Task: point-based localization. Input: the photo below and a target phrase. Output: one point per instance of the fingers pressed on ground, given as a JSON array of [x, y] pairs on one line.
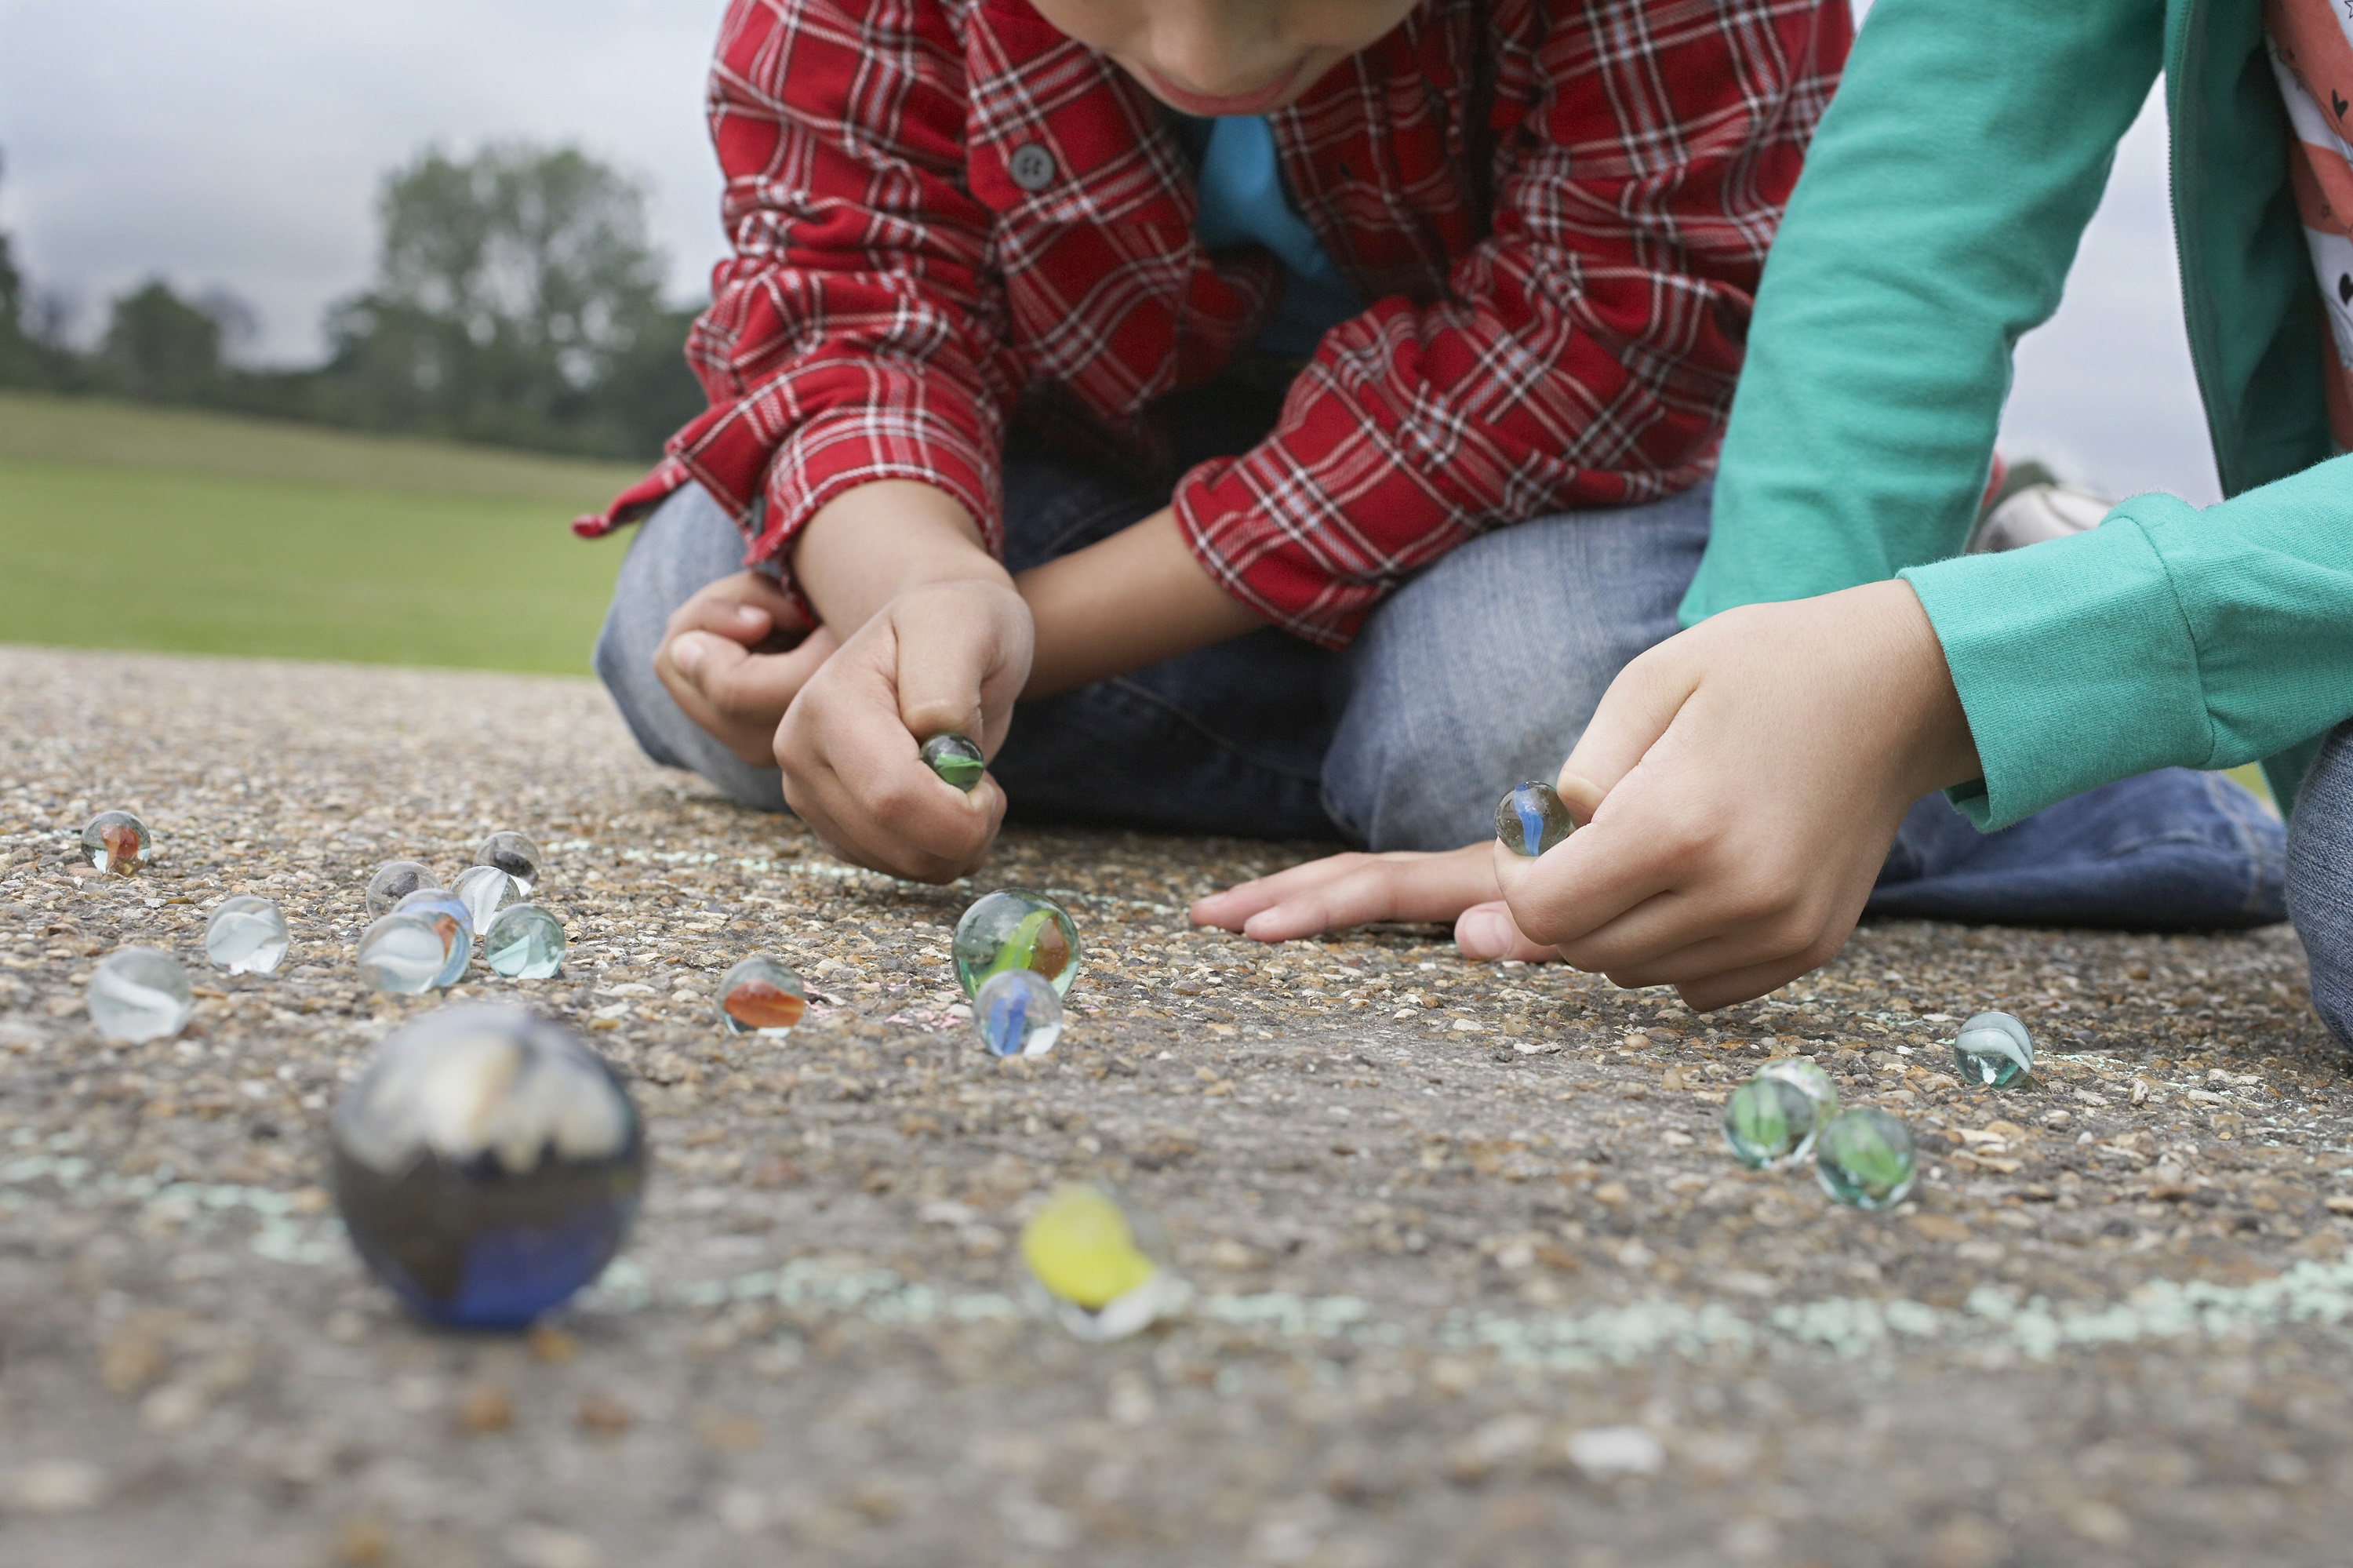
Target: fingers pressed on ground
[[1400, 886], [1227, 909]]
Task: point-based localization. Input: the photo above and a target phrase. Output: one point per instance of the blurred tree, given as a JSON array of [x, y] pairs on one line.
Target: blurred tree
[[19, 364], [517, 300], [162, 348]]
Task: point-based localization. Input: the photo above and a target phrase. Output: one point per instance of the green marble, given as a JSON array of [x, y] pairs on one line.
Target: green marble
[[1016, 929], [955, 759], [1864, 1157], [1768, 1122]]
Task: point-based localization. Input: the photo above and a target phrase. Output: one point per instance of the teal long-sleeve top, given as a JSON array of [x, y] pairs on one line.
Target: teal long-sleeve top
[[1940, 208]]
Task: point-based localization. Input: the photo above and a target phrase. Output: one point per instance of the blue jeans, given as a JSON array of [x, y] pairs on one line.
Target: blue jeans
[[2320, 879], [2169, 851], [1479, 673]]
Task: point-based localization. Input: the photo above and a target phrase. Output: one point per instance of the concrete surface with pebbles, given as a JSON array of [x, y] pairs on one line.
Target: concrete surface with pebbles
[[1474, 1279]]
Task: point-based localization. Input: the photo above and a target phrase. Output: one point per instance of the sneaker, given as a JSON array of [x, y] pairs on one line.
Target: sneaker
[[2034, 512]]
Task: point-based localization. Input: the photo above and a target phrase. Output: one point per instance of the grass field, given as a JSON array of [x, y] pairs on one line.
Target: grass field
[[123, 527]]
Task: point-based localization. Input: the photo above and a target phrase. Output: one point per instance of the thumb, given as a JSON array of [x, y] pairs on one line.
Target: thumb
[[955, 670], [705, 660], [1632, 715], [1487, 931]]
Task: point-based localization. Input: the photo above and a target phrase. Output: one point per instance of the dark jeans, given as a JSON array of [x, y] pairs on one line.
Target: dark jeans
[[2320, 879], [1480, 673]]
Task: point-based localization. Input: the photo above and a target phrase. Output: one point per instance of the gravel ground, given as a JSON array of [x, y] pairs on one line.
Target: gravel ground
[[1474, 1279]]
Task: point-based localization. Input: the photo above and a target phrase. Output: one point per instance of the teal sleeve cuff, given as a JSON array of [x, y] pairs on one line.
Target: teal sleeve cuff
[[2074, 661]]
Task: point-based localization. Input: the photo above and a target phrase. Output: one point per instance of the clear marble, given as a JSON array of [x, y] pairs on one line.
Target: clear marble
[[137, 994], [956, 758], [1017, 1014], [1864, 1157], [1016, 929], [514, 854], [453, 921], [394, 881], [246, 935], [117, 843], [760, 996], [1530, 817], [1993, 1051], [525, 942], [1768, 1123], [1097, 1264], [485, 890], [1809, 1077], [487, 1164], [403, 953]]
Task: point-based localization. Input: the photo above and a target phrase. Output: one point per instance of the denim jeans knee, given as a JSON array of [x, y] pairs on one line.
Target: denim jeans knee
[[2320, 879], [1485, 669], [687, 545]]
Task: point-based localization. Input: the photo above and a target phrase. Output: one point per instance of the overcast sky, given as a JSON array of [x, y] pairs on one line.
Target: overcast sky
[[238, 144]]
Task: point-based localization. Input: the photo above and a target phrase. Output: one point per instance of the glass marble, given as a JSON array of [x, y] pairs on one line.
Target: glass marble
[[117, 843], [1016, 929], [1992, 1051], [487, 1164], [1864, 1157], [485, 890], [1017, 1014], [455, 923], [514, 853], [955, 759], [403, 953], [1532, 818], [1810, 1078], [1768, 1122], [760, 996], [394, 881], [247, 936], [1098, 1266], [525, 942], [138, 994]]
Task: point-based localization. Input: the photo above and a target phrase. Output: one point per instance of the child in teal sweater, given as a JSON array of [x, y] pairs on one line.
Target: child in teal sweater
[[1744, 779]]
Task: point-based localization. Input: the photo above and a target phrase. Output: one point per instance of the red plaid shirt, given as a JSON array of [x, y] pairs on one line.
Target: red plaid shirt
[[1560, 209]]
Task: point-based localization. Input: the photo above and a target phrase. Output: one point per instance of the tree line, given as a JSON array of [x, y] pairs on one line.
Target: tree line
[[516, 300]]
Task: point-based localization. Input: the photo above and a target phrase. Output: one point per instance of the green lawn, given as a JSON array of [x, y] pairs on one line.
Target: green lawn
[[129, 527]]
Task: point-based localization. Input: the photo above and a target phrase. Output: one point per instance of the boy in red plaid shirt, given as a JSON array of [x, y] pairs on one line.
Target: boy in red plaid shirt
[[1277, 418]]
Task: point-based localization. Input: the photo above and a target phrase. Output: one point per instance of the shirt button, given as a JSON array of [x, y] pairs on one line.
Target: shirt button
[[1031, 166]]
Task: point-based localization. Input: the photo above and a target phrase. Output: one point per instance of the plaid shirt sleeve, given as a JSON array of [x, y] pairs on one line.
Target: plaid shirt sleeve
[[854, 334], [1584, 354]]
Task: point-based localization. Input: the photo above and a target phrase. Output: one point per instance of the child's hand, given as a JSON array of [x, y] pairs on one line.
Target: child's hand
[[1345, 890], [940, 656], [1755, 770], [735, 655]]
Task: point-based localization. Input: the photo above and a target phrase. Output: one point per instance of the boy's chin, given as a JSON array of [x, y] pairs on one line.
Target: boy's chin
[[1284, 91]]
